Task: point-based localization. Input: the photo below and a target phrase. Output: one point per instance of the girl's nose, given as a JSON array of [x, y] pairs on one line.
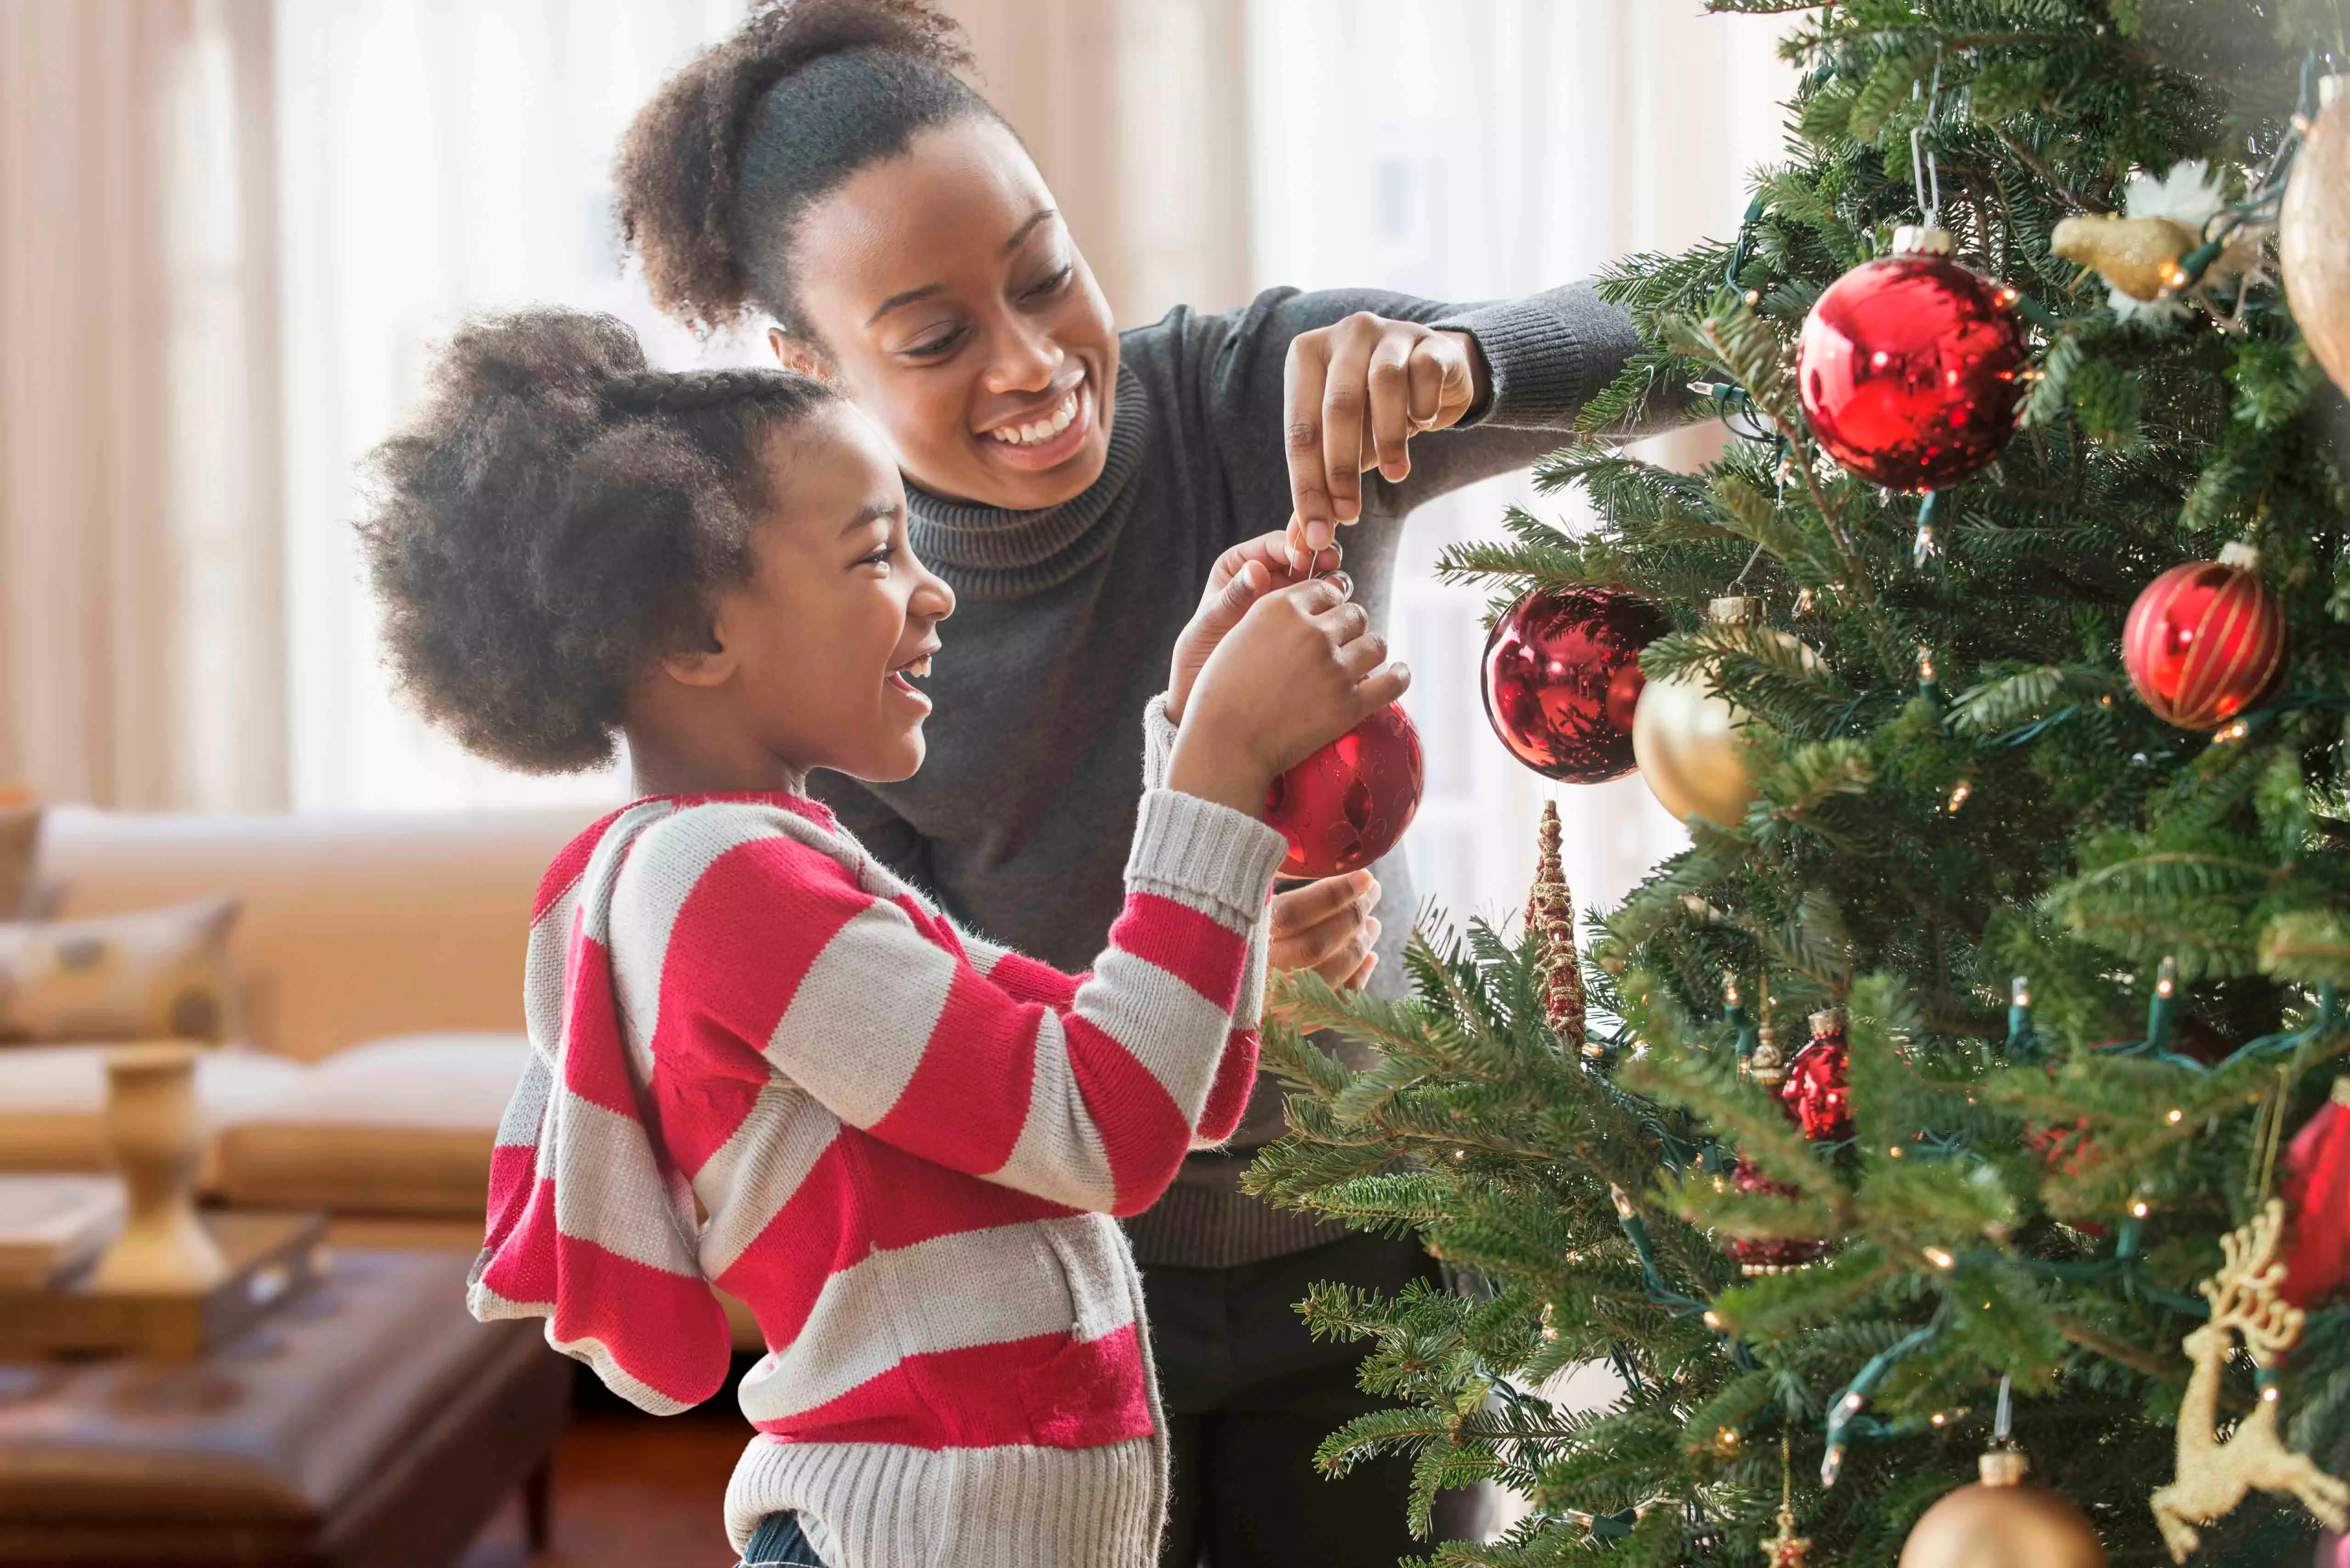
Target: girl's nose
[[933, 599]]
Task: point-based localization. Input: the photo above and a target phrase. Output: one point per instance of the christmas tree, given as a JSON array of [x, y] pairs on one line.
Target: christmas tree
[[1951, 1056]]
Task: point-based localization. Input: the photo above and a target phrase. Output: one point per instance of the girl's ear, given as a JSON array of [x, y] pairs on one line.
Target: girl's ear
[[710, 666], [794, 354]]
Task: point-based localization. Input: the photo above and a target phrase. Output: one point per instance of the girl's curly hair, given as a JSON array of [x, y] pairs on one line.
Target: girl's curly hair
[[716, 170], [555, 517]]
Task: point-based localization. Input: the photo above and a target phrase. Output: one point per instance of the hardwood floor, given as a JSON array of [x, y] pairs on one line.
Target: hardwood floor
[[631, 1490]]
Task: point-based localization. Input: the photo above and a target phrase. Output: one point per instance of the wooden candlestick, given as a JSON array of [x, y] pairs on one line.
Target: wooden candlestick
[[156, 1136]]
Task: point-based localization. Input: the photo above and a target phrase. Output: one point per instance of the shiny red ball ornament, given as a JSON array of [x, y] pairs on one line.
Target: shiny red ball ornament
[[2205, 641], [1815, 1088], [1347, 804], [2316, 1187], [1910, 367], [1561, 675]]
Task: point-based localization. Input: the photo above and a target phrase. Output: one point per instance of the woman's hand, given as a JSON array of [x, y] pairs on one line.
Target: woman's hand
[[1240, 576], [1356, 392], [1328, 927], [1301, 668]]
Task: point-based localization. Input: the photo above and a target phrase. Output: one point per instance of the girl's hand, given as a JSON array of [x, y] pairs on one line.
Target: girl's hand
[[1242, 574], [1327, 927], [1357, 391], [1301, 668]]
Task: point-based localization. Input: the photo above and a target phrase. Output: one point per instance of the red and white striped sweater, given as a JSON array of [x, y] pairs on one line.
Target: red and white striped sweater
[[908, 1142]]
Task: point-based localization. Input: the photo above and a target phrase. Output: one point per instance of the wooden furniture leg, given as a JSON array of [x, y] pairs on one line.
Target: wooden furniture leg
[[538, 1506]]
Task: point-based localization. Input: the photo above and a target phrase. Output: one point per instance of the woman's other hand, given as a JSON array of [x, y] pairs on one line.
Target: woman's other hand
[[1328, 927], [1356, 392], [1242, 574]]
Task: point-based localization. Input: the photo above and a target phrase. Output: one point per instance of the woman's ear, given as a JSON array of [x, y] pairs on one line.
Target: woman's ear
[[794, 354]]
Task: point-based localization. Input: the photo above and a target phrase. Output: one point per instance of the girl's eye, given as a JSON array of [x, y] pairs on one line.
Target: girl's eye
[[1053, 283], [880, 557]]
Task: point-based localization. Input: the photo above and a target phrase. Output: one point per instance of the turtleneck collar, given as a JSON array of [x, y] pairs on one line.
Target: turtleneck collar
[[996, 553]]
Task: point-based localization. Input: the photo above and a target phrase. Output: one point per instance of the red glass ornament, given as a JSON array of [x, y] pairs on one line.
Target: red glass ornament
[[1561, 675], [2204, 641], [1347, 804], [2316, 1187], [1816, 1087], [1768, 1254], [1909, 368]]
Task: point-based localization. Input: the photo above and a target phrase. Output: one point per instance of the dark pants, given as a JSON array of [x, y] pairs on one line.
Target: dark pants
[[1249, 1395], [778, 1543]]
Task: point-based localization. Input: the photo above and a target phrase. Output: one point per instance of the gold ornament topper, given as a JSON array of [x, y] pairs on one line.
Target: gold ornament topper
[[2138, 255], [2213, 1476], [1550, 913]]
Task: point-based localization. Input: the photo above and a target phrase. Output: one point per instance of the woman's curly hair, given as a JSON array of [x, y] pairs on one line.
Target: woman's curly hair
[[554, 518], [716, 170]]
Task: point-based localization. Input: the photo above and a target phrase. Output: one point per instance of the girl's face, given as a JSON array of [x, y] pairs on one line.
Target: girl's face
[[816, 653], [955, 310]]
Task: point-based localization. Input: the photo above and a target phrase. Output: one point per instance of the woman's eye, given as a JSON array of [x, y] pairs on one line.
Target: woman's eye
[[1055, 283], [933, 348]]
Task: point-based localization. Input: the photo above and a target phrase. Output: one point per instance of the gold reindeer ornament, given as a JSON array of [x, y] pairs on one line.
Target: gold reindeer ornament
[[2213, 1476]]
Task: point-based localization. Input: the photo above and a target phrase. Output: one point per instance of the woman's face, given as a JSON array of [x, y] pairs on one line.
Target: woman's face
[[955, 310], [822, 643]]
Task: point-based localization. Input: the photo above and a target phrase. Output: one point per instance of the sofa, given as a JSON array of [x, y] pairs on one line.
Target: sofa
[[379, 960]]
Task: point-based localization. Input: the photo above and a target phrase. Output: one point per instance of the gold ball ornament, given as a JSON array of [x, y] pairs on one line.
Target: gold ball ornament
[[2003, 1521], [1685, 735], [2314, 232]]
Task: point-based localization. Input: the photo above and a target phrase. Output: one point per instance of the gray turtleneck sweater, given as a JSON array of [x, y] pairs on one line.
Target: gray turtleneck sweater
[[1021, 820]]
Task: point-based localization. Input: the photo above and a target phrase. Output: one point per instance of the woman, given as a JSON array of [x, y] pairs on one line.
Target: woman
[[825, 167]]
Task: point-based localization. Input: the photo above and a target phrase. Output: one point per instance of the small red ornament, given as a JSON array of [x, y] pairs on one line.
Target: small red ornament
[[1561, 675], [1768, 1254], [2317, 1204], [1816, 1089], [1910, 367], [1347, 804], [2206, 640]]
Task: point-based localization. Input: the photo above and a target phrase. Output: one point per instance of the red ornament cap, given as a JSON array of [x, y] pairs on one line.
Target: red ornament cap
[[1349, 802], [1910, 369], [2206, 640], [1561, 675], [2317, 1189]]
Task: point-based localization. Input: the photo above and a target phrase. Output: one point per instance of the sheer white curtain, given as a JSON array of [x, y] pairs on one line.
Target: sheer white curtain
[[1480, 149], [437, 158]]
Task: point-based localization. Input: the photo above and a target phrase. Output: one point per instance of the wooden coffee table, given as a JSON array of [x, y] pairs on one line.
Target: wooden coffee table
[[370, 1423]]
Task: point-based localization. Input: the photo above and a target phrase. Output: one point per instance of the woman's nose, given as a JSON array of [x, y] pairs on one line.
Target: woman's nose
[[1025, 358]]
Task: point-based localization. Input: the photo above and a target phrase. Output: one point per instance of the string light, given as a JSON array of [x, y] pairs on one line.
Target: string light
[[2235, 732], [2166, 978], [1894, 1152], [1939, 1258], [2175, 1116], [2139, 1209], [1623, 1203], [1713, 1320], [1925, 665], [1958, 795], [1926, 546], [1939, 1417], [2019, 993]]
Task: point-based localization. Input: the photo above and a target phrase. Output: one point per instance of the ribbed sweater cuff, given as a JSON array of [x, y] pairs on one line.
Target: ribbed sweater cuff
[[1206, 855], [1540, 364], [1158, 743]]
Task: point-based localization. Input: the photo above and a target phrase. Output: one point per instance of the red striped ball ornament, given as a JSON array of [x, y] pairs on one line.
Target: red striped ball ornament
[[2204, 641]]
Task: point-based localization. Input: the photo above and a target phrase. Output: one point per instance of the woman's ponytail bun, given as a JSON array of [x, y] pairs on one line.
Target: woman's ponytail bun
[[553, 517], [717, 167]]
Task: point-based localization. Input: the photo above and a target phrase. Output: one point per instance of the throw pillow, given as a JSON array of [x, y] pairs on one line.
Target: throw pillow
[[20, 836], [157, 974]]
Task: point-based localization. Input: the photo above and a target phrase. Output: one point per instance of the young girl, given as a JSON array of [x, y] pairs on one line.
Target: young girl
[[825, 169], [908, 1141]]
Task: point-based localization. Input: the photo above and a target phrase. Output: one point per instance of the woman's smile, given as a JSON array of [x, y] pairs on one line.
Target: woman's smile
[[1047, 433]]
